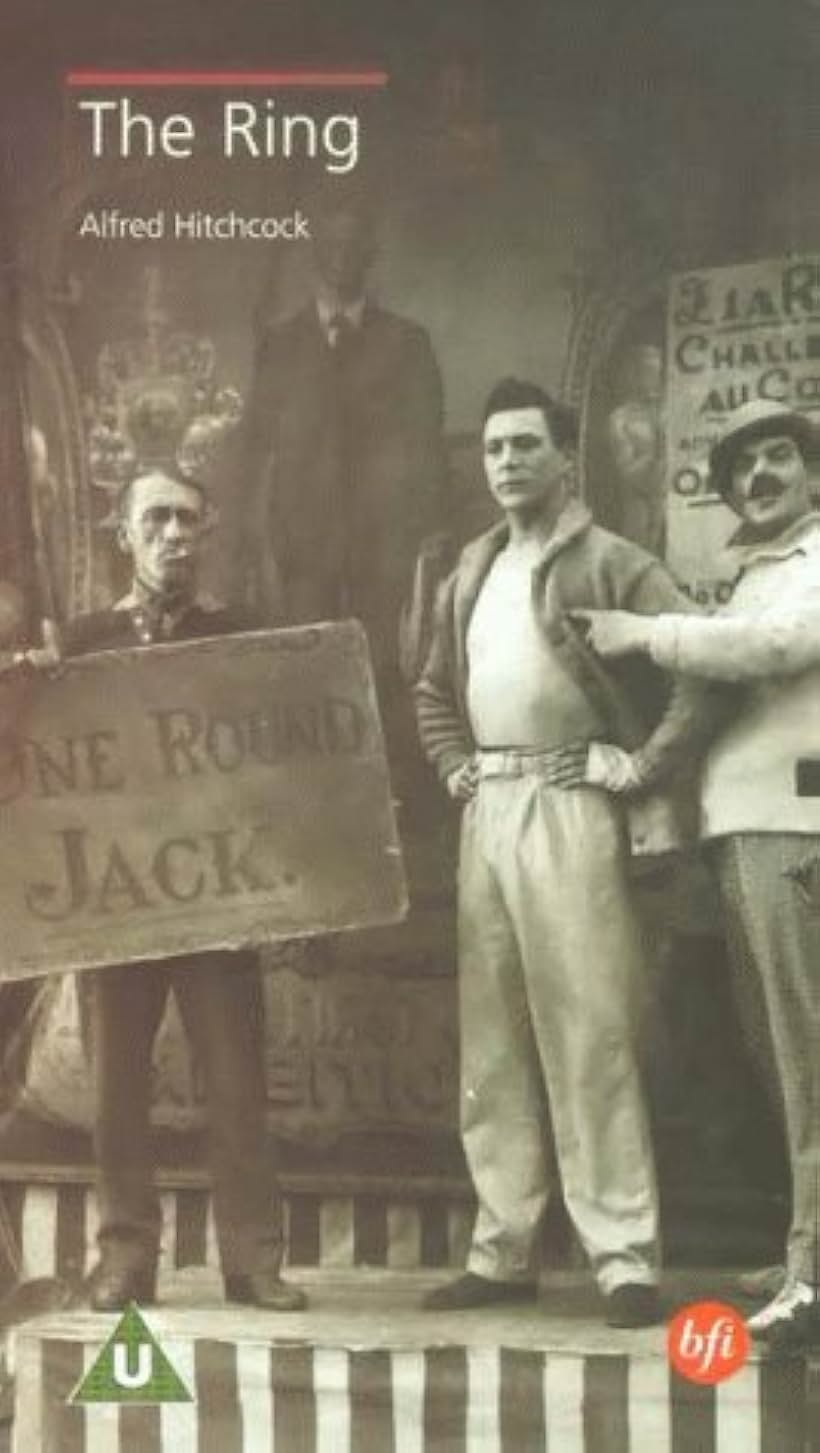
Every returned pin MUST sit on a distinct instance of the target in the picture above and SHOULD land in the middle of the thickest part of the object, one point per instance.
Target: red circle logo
(707, 1341)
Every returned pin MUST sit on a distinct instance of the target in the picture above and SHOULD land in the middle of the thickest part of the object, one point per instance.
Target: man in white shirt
(510, 705)
(760, 792)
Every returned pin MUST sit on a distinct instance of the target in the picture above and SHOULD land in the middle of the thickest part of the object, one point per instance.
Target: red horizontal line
(341, 80)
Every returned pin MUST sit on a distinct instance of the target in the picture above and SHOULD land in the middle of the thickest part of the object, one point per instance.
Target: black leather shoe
(111, 1288)
(633, 1304)
(470, 1291)
(264, 1289)
(797, 1333)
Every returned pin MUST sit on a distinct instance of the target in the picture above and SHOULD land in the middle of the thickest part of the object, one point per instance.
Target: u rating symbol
(131, 1368)
(125, 1375)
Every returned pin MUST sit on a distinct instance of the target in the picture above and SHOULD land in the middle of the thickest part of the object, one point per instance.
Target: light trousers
(551, 987)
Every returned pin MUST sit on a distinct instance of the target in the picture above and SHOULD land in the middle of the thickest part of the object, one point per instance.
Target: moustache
(764, 486)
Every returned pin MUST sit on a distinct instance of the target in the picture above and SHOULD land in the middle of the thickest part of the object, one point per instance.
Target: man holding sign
(164, 520)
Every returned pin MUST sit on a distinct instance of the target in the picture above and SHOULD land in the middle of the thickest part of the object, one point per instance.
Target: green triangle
(131, 1368)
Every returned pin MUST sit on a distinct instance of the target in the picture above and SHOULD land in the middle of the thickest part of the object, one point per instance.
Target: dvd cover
(279, 289)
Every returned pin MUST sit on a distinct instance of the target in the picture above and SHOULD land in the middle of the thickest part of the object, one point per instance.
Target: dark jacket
(122, 625)
(343, 466)
(583, 566)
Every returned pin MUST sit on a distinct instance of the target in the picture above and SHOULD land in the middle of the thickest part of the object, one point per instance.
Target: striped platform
(363, 1371)
(372, 1224)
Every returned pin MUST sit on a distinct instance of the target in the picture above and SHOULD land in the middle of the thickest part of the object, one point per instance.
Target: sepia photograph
(410, 727)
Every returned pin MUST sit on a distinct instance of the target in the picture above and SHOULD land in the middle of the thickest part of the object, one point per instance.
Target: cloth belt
(523, 762)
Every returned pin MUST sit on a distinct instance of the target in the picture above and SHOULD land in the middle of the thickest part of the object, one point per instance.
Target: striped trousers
(770, 884)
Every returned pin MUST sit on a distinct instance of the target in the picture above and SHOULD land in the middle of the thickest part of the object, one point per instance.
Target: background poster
(733, 334)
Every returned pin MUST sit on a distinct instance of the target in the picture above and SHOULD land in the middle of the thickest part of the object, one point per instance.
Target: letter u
(123, 1375)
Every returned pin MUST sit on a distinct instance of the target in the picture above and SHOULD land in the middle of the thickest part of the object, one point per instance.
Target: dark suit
(220, 1001)
(345, 461)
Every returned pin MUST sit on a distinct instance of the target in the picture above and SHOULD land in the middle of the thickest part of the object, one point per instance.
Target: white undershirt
(519, 693)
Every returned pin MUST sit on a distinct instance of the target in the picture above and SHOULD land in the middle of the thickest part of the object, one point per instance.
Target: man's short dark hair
(520, 393)
(171, 471)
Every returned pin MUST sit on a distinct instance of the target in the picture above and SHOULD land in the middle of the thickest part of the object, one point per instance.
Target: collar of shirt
(330, 314)
(155, 619)
(799, 537)
(573, 520)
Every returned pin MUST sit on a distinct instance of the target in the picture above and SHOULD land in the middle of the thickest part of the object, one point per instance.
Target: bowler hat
(752, 421)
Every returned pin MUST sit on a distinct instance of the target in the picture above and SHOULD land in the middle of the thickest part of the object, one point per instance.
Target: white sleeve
(738, 647)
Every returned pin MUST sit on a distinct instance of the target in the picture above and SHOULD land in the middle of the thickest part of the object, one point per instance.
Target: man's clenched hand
(462, 783)
(614, 632)
(49, 656)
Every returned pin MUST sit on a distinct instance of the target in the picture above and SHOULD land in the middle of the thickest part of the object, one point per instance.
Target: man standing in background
(344, 448)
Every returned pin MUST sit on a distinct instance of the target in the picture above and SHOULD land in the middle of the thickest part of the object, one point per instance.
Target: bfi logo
(707, 1342)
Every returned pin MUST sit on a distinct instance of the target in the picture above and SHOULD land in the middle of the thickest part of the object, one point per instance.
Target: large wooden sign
(187, 796)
